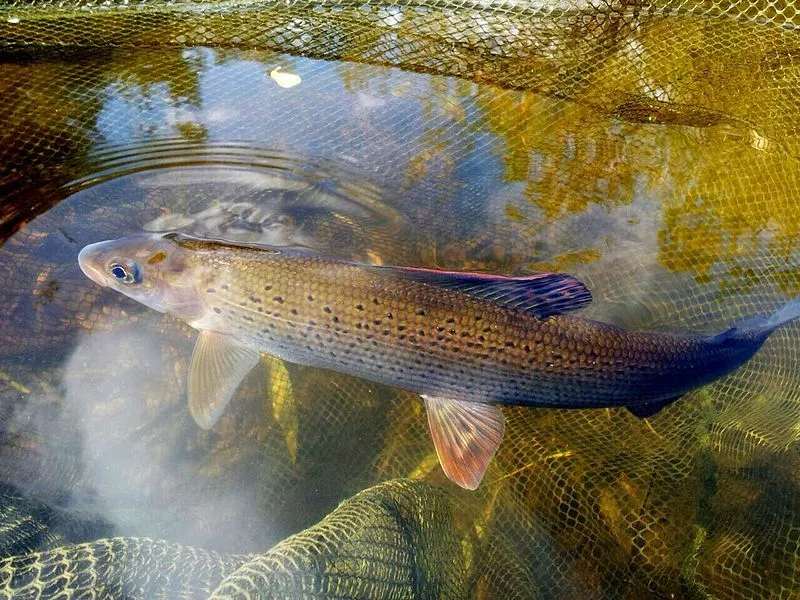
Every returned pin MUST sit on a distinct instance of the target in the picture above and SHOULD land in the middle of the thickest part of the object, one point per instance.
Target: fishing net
(650, 149)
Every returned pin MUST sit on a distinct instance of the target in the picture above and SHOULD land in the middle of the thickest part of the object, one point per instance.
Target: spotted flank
(468, 343)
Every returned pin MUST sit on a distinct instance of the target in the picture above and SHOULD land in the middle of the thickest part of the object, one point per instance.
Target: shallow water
(673, 195)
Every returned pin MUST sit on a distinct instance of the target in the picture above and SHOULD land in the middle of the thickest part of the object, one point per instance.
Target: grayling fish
(467, 342)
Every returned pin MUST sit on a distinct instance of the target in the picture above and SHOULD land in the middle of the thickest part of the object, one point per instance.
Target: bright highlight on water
(466, 342)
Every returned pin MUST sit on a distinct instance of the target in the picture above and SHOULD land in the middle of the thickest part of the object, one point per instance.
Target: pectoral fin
(466, 436)
(218, 367)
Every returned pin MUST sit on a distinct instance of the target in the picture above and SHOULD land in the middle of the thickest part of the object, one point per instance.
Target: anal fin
(650, 408)
(466, 436)
(218, 367)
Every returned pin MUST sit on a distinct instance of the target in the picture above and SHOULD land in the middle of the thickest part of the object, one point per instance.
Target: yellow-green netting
(650, 149)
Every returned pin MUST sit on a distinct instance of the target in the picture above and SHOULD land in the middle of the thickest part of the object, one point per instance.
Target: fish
(468, 343)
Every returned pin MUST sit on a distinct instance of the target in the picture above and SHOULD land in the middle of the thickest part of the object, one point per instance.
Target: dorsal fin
(543, 294)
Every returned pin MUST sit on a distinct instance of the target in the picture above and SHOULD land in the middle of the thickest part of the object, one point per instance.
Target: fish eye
(127, 275)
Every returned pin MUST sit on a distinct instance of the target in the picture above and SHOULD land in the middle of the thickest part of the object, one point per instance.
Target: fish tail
(786, 314)
(763, 325)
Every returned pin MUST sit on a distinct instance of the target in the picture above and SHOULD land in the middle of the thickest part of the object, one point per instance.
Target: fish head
(150, 268)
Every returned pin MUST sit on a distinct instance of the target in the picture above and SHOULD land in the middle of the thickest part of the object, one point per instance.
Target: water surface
(668, 185)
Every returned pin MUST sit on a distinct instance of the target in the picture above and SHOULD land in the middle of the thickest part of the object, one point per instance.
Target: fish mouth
(88, 264)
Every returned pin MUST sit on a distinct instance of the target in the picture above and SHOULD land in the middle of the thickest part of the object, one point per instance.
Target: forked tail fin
(786, 314)
(761, 325)
(743, 338)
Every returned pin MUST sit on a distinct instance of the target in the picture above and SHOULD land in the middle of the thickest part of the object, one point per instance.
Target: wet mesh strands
(648, 148)
(386, 542)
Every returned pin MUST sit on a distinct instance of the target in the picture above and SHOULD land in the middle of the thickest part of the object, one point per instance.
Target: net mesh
(648, 148)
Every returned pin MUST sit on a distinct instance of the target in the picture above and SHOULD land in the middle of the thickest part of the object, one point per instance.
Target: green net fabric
(651, 149)
(388, 541)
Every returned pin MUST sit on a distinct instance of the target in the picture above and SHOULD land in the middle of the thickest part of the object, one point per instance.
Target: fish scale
(466, 342)
(439, 342)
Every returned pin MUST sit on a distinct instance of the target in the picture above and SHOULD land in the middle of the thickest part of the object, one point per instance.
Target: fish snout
(88, 260)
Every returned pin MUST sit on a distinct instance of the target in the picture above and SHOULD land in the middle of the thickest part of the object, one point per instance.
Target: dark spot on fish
(439, 328)
(259, 309)
(224, 286)
(451, 320)
(509, 344)
(526, 348)
(359, 307)
(402, 336)
(421, 332)
(335, 319)
(386, 332)
(327, 309)
(157, 258)
(389, 316)
(267, 288)
(210, 290)
(278, 299)
(487, 329)
(293, 311)
(255, 299)
(217, 310)
(377, 322)
(420, 312)
(465, 334)
(359, 326)
(310, 298)
(478, 318)
(401, 328)
(451, 331)
(247, 318)
(375, 301)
